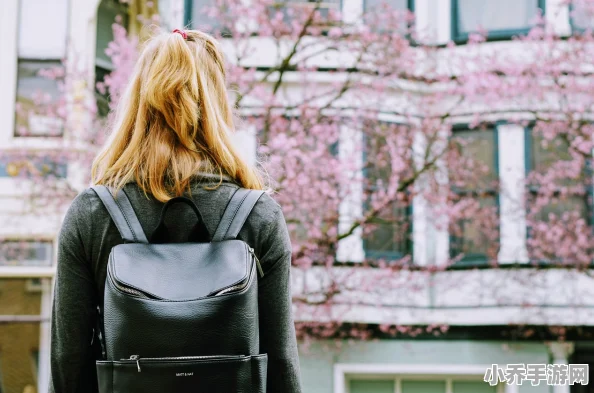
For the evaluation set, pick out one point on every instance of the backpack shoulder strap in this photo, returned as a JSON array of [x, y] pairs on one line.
[[238, 209], [122, 214]]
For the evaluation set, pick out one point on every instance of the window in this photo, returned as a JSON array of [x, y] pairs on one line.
[[500, 19], [542, 157], [569, 197], [305, 7], [25, 253], [108, 12], [197, 12], [375, 16], [395, 4], [308, 220], [582, 15], [474, 234], [387, 235], [37, 94], [197, 16], [427, 385]]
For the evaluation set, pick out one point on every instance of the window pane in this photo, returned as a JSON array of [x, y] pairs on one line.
[[546, 153], [369, 386], [381, 21], [570, 204], [395, 4], [37, 96], [423, 386], [473, 387], [495, 14], [324, 4], [43, 19], [473, 241], [479, 146], [199, 17], [19, 340], [387, 234], [582, 14], [25, 253], [474, 236], [107, 13], [390, 234], [303, 7]]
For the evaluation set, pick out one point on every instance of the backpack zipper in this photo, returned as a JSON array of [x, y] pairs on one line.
[[130, 291], [251, 250], [237, 287], [136, 358]]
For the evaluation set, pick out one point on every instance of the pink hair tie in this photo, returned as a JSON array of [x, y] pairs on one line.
[[183, 33]]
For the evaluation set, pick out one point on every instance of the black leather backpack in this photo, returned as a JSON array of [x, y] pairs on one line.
[[181, 317]]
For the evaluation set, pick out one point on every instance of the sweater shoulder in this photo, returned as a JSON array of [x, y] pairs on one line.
[[266, 211]]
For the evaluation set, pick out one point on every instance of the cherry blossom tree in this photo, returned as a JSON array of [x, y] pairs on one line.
[[355, 121]]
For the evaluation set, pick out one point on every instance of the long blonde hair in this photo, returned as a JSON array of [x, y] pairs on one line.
[[173, 121]]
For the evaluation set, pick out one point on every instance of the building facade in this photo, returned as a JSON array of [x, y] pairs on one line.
[[37, 34], [41, 35]]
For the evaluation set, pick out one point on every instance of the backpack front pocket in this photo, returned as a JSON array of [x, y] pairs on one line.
[[186, 374]]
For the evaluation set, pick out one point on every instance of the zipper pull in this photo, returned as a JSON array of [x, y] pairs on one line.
[[137, 358], [257, 262]]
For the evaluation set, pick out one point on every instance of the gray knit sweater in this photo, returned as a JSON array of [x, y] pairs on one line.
[[85, 240]]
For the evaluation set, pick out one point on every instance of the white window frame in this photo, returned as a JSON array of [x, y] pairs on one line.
[[512, 176], [344, 372], [32, 55]]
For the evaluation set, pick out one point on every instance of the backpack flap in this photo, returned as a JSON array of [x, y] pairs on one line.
[[181, 271]]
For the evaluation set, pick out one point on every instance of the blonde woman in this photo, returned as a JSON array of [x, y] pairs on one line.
[[171, 137]]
